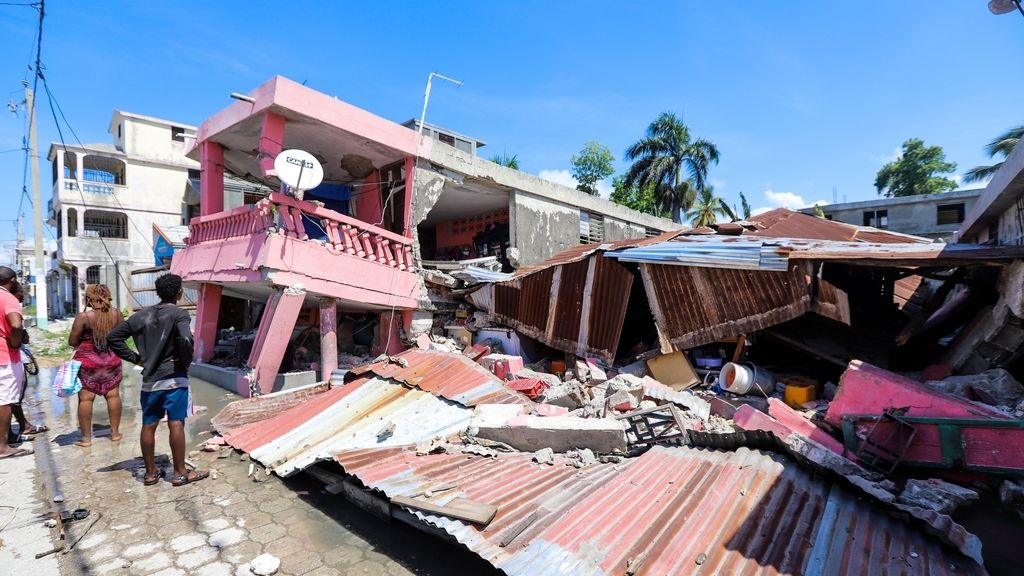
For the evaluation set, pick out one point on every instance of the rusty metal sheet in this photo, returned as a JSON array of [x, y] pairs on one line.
[[591, 295], [258, 408], [348, 417], [695, 306], [670, 511], [783, 223], [451, 376]]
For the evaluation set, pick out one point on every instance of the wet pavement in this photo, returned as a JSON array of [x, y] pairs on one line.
[[215, 526]]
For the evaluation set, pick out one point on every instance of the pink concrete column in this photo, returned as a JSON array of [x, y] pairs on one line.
[[328, 337], [274, 333], [390, 324], [271, 141], [207, 311], [410, 178], [211, 178]]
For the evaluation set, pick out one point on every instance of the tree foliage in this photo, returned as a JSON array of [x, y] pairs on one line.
[[918, 170], [506, 160], [591, 165], [707, 208], [675, 164], [1001, 147], [745, 206], [639, 199]]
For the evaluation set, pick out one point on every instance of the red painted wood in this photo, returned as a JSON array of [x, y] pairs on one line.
[[797, 423]]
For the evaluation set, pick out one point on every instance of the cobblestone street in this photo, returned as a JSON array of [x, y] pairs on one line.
[[214, 527]]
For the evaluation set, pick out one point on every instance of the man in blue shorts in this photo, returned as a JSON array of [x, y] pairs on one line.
[[164, 339]]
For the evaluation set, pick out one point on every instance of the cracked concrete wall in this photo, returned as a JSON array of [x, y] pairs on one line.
[[542, 227], [621, 230]]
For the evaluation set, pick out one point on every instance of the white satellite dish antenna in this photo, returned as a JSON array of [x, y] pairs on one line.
[[299, 170]]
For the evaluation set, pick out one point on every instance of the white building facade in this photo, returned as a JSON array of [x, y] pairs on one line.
[[106, 200]]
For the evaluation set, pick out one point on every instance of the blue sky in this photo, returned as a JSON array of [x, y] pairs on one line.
[[800, 97]]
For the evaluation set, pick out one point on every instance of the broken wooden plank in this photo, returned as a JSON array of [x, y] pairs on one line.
[[459, 508], [518, 529]]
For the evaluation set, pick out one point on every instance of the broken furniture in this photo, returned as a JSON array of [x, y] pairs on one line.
[[655, 425]]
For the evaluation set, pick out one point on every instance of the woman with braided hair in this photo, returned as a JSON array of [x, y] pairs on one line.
[[100, 373]]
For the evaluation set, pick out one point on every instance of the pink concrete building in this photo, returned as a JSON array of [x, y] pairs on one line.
[[284, 267]]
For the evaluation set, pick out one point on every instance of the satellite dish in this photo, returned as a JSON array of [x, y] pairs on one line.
[[299, 170], [998, 7]]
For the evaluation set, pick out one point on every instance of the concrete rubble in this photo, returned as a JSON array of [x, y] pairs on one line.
[[934, 494]]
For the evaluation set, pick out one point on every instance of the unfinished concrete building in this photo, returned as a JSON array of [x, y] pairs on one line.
[[286, 284]]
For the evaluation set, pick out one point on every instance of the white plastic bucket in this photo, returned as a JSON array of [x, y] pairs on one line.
[[742, 379]]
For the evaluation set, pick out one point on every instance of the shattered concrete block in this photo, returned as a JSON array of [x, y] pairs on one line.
[[995, 387], [596, 374], [439, 278], [647, 404], [569, 394], [934, 494], [622, 401], [560, 433], [875, 489], [549, 379], [544, 456], [794, 421], [581, 458]]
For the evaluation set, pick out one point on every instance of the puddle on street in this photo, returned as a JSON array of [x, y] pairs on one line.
[[329, 521]]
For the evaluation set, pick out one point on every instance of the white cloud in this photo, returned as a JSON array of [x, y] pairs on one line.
[[564, 177], [785, 200], [760, 210]]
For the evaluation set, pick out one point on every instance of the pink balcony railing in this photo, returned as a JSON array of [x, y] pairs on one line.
[[344, 234]]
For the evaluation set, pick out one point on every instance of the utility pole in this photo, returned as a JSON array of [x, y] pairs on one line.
[[37, 205]]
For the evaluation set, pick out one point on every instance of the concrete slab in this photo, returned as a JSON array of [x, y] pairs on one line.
[[560, 433], [233, 379], [22, 532]]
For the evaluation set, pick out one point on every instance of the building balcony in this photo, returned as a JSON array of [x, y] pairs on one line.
[[285, 242]]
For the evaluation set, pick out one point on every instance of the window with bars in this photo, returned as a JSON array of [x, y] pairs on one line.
[[92, 275], [591, 227], [101, 224]]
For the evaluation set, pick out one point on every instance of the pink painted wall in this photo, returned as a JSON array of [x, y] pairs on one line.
[[367, 199]]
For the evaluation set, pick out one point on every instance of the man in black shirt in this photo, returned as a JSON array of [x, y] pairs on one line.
[[164, 339]]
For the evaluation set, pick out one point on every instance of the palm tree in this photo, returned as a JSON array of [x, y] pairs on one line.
[[1001, 146], [708, 207], [507, 161], [668, 159]]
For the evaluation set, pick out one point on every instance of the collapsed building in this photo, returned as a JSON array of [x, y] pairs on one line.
[[350, 259], [785, 393]]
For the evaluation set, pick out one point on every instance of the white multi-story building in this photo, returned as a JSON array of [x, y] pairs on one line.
[[107, 199]]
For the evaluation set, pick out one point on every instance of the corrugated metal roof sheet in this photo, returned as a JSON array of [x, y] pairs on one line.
[[671, 511], [732, 252], [695, 306], [344, 418], [258, 408], [577, 253], [783, 223], [451, 376]]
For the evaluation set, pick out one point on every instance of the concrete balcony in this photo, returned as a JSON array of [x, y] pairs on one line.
[[253, 249]]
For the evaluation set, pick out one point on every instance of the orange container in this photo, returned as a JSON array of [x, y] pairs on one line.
[[799, 391], [557, 366]]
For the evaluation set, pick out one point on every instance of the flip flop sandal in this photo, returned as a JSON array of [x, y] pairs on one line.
[[79, 514], [17, 453], [35, 429], [18, 438], [184, 478], [148, 480]]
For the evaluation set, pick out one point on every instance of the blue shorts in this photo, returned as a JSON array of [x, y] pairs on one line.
[[173, 402]]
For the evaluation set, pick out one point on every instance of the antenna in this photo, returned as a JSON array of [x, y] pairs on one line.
[[426, 99]]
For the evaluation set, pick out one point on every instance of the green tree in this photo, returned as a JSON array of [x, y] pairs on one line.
[[745, 206], [707, 208], [591, 165], [917, 171], [507, 161], [668, 158], [639, 199], [1001, 146], [819, 211]]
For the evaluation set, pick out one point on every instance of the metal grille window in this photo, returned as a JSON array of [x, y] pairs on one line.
[[92, 275], [99, 224], [591, 227], [949, 214]]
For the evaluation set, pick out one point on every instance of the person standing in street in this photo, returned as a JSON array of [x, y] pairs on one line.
[[26, 430], [164, 340], [100, 373], [12, 371]]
